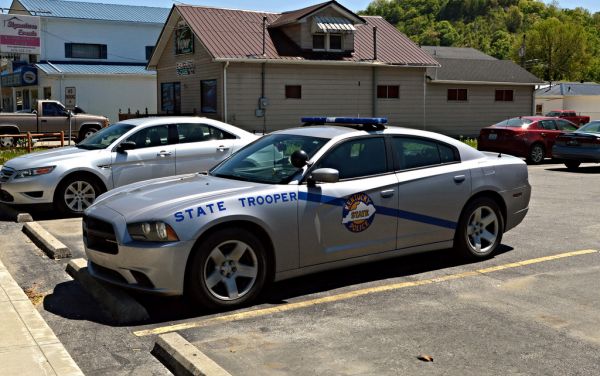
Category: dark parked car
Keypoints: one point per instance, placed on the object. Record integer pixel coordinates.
(583, 145)
(530, 137)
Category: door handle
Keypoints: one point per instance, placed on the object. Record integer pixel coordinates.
(222, 148)
(44, 121)
(459, 178)
(387, 193)
(163, 154)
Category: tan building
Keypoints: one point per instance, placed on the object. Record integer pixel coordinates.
(264, 71)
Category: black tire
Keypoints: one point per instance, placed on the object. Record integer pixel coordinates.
(572, 165)
(87, 131)
(202, 266)
(468, 229)
(82, 191)
(7, 142)
(536, 154)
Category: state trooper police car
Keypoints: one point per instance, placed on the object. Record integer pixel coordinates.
(303, 200)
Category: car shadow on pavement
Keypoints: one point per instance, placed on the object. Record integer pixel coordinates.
(69, 300)
(580, 170)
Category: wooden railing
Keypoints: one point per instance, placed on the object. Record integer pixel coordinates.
(29, 136)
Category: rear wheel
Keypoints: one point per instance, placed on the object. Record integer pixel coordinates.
(87, 132)
(75, 194)
(227, 270)
(572, 165)
(7, 142)
(479, 229)
(536, 154)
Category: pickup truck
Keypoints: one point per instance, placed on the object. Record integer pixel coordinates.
(49, 116)
(570, 116)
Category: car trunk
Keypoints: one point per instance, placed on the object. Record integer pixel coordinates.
(578, 140)
(500, 134)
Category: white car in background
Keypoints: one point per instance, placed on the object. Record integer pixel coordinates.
(72, 177)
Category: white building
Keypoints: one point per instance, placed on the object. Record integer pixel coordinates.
(92, 55)
(583, 98)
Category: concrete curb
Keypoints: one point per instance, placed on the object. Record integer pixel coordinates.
(46, 241)
(183, 358)
(119, 305)
(38, 350)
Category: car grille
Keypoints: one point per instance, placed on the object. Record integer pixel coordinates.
(6, 173)
(100, 235)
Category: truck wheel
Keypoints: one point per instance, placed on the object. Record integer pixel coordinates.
(7, 142)
(75, 194)
(228, 269)
(87, 132)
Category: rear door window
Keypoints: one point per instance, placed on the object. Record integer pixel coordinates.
(416, 152)
(548, 125)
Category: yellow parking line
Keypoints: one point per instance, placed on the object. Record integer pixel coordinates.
(351, 294)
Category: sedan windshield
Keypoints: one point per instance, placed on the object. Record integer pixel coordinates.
(514, 122)
(104, 137)
(593, 127)
(268, 159)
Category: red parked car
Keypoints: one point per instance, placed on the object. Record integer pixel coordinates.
(530, 137)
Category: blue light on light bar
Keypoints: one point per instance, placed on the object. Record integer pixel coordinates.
(344, 120)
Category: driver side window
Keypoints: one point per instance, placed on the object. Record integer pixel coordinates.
(357, 158)
(151, 136)
(52, 109)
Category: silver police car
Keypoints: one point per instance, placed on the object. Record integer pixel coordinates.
(303, 200)
(138, 149)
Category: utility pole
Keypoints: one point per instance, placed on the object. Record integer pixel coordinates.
(522, 51)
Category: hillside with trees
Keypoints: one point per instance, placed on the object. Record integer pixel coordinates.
(560, 44)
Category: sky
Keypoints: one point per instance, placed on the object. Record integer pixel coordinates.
(281, 6)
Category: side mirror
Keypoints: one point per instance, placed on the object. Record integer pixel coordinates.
(324, 175)
(126, 145)
(299, 158)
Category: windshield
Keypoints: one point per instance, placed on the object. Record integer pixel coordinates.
(268, 159)
(514, 122)
(105, 136)
(593, 127)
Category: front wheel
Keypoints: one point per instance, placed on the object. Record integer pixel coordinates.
(479, 229)
(87, 132)
(536, 154)
(572, 165)
(228, 269)
(75, 194)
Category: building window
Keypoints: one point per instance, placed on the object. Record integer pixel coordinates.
(170, 94)
(149, 51)
(504, 95)
(293, 92)
(208, 89)
(539, 109)
(85, 51)
(457, 95)
(47, 92)
(319, 42)
(184, 40)
(335, 41)
(388, 91)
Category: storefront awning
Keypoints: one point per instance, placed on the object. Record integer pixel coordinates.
(332, 25)
(93, 69)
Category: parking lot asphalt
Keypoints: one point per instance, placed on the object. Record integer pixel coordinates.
(541, 316)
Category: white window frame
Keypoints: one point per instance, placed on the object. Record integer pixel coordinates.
(327, 42)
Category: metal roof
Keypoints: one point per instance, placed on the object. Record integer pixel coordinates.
(480, 71)
(329, 24)
(233, 34)
(456, 53)
(570, 89)
(95, 11)
(94, 69)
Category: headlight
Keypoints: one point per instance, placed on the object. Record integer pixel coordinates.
(152, 232)
(34, 172)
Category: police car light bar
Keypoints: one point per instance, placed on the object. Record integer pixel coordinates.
(344, 120)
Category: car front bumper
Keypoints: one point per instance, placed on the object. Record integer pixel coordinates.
(26, 191)
(157, 268)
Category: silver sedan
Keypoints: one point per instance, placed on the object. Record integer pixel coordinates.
(139, 149)
(304, 200)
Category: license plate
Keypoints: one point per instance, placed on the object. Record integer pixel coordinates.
(492, 136)
(572, 143)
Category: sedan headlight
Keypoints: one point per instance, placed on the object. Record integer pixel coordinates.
(34, 172)
(152, 232)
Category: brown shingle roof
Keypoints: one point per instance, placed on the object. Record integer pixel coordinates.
(235, 34)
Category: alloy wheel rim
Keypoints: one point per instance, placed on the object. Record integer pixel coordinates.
(537, 154)
(230, 271)
(79, 195)
(482, 229)
(6, 141)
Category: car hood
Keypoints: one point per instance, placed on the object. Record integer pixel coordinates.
(50, 157)
(170, 194)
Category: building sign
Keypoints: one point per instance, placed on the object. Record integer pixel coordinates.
(22, 76)
(19, 34)
(70, 97)
(185, 68)
(184, 39)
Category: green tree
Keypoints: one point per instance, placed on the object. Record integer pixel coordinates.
(448, 36)
(514, 19)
